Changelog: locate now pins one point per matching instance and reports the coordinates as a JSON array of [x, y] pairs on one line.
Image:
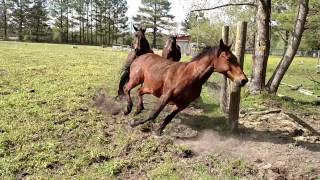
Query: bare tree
[[292, 48]]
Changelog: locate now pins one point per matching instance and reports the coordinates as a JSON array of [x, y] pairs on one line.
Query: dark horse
[[178, 83], [171, 50], [140, 46]]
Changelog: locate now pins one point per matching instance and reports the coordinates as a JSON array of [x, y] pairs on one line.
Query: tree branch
[[225, 5]]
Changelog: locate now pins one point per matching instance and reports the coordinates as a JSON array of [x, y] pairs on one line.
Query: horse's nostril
[[244, 81]]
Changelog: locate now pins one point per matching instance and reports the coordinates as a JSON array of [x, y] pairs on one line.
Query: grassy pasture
[[50, 129]]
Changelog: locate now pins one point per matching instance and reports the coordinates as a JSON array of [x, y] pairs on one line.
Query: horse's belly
[[186, 96]]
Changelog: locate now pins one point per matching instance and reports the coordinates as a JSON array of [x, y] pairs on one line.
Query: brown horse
[[178, 83], [140, 46], [171, 50]]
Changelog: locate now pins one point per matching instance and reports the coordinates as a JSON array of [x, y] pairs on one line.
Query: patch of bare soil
[[279, 144], [106, 103], [275, 143]]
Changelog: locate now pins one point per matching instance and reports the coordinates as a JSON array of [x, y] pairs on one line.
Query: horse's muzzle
[[243, 82]]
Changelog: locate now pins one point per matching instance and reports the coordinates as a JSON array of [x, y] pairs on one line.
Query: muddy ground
[[276, 143]]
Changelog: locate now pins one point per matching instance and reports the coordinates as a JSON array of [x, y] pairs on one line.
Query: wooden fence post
[[235, 90], [224, 96]]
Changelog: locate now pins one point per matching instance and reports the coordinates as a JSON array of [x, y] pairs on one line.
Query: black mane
[[209, 50]]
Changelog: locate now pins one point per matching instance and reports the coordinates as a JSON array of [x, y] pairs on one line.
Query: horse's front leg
[[163, 101], [140, 106]]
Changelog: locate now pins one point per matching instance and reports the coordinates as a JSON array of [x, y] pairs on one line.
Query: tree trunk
[[37, 30], [80, 31], [286, 42], [91, 23], [109, 26], [83, 29], [293, 46], [20, 21], [87, 23], [61, 23], [154, 33], [96, 15], [5, 23], [67, 24], [262, 46], [72, 38]]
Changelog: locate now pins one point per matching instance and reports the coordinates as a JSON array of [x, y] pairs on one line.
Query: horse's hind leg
[[163, 101], [142, 90]]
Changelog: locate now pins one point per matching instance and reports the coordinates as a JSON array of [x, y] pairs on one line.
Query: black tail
[[124, 78]]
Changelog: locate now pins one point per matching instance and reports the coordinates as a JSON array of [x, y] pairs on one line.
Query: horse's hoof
[[157, 132], [137, 112], [126, 112], [133, 124]]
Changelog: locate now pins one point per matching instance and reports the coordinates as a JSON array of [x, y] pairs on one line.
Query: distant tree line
[[95, 22], [65, 21]]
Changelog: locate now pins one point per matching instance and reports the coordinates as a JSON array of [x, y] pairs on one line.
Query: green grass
[[50, 128]]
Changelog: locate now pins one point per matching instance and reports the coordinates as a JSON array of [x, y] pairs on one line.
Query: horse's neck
[[201, 69]]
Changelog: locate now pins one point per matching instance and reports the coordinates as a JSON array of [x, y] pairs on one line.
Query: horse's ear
[[135, 28], [143, 29], [229, 46], [221, 44]]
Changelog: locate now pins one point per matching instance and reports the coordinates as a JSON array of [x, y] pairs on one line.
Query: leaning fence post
[[224, 98], [235, 90]]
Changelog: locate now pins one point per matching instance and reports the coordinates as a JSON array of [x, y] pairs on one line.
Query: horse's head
[[171, 42], [139, 38], [228, 65]]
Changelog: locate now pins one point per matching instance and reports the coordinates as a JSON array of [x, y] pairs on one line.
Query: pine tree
[[4, 14], [155, 14], [37, 19], [19, 16], [119, 19], [60, 12]]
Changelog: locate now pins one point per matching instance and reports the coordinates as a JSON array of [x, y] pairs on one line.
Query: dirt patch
[[106, 103], [275, 143]]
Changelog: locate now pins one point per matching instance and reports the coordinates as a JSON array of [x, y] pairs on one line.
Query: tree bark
[[294, 42], [262, 46]]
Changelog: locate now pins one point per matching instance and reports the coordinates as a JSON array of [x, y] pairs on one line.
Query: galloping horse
[[141, 46], [171, 50], [178, 83]]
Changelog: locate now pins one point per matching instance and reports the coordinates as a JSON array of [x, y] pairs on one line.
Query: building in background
[[184, 41]]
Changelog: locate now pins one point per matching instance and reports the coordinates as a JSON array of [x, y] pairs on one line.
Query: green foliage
[[154, 14], [206, 33]]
